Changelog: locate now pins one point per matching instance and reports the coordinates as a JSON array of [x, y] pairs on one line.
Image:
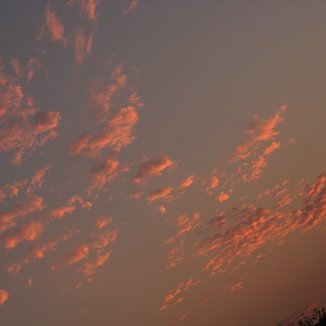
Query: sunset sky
[[162, 162]]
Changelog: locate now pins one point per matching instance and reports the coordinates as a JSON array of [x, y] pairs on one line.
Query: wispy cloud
[[21, 209], [152, 167], [54, 25], [83, 45], [117, 134], [133, 4]]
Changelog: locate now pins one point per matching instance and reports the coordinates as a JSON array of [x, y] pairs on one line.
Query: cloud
[[260, 131], [22, 126], [90, 267], [27, 130], [160, 194], [54, 25], [133, 4], [37, 180], [271, 148], [103, 221], [104, 173], [22, 209], [231, 247], [117, 134], [61, 212], [11, 189], [4, 296], [150, 168], [29, 283], [188, 182], [186, 225], [213, 183], [88, 8], [103, 95], [103, 239], [176, 296], [236, 287], [83, 46], [222, 197], [80, 253], [28, 232]]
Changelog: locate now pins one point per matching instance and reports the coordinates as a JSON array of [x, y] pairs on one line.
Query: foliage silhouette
[[318, 318]]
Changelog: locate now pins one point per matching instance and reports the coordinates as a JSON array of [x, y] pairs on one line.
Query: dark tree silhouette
[[318, 318]]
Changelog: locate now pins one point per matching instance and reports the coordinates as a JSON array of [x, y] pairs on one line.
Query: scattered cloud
[[54, 25], [154, 167]]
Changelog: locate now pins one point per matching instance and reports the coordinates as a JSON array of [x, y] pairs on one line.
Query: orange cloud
[[160, 194], [235, 287], [104, 239], [117, 134], [37, 180], [88, 8], [176, 296], [80, 253], [90, 267], [54, 25], [22, 209], [28, 232], [103, 221], [103, 96], [83, 46], [260, 131], [222, 197], [188, 182], [11, 189], [22, 127], [4, 296], [150, 168], [257, 226], [104, 173], [61, 212]]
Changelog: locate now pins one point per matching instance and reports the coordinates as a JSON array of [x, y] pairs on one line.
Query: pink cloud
[[90, 267], [103, 96], [150, 168], [236, 287], [54, 25], [80, 253], [88, 8], [104, 173], [28, 232], [160, 194], [11, 189], [83, 46], [176, 296], [61, 212], [4, 296], [236, 245], [37, 180], [260, 131], [117, 134], [103, 221], [188, 182], [22, 209], [222, 197]]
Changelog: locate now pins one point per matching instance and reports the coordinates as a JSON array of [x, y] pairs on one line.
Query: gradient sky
[[162, 162]]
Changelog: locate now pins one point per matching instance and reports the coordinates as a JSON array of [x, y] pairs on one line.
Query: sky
[[162, 162]]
